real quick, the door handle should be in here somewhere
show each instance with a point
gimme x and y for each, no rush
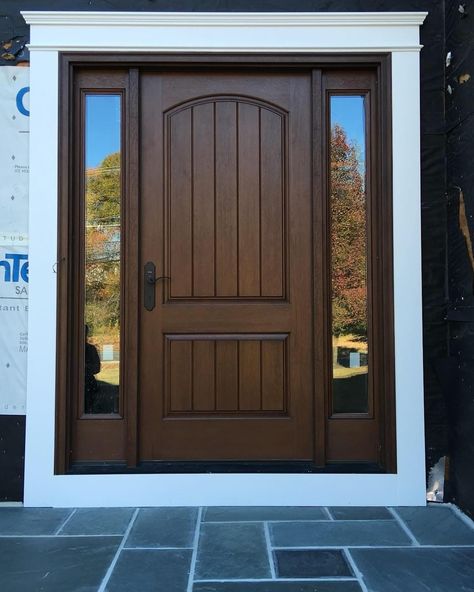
(149, 281)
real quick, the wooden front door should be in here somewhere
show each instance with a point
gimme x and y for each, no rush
(225, 346)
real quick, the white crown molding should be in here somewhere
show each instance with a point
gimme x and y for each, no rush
(218, 49)
(224, 19)
(225, 32)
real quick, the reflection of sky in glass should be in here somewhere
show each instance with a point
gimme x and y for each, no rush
(348, 112)
(102, 127)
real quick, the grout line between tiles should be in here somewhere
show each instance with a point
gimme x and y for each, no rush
(158, 548)
(355, 569)
(267, 580)
(269, 550)
(330, 516)
(106, 579)
(192, 567)
(59, 536)
(272, 521)
(409, 547)
(404, 527)
(65, 521)
(278, 548)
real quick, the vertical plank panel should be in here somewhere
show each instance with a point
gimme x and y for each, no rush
(249, 200)
(227, 380)
(180, 369)
(203, 200)
(180, 193)
(226, 199)
(204, 375)
(249, 375)
(271, 203)
(272, 375)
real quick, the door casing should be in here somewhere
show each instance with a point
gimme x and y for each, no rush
(383, 361)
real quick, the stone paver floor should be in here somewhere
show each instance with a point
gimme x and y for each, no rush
(255, 549)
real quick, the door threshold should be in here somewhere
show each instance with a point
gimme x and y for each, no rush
(175, 467)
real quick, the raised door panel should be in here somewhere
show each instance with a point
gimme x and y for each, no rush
(226, 375)
(226, 200)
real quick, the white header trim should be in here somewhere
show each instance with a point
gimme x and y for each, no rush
(218, 49)
(361, 32)
(224, 19)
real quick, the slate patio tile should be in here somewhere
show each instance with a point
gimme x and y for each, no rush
(31, 521)
(360, 513)
(416, 569)
(435, 525)
(352, 586)
(55, 564)
(228, 551)
(163, 527)
(151, 571)
(337, 534)
(99, 521)
(223, 514)
(317, 563)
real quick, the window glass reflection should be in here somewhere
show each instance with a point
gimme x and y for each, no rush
(102, 253)
(348, 255)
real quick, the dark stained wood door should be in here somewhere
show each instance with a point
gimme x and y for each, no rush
(225, 362)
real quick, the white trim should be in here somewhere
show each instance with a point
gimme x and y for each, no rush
(224, 32)
(223, 19)
(219, 49)
(397, 33)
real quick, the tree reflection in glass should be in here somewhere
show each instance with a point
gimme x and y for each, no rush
(102, 253)
(348, 255)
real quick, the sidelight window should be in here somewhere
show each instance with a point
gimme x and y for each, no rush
(102, 257)
(348, 222)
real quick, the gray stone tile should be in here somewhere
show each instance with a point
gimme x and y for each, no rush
(338, 534)
(99, 521)
(55, 564)
(31, 521)
(223, 514)
(163, 527)
(228, 551)
(416, 570)
(436, 525)
(317, 563)
(151, 571)
(277, 587)
(360, 513)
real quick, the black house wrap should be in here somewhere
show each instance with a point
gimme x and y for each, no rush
(447, 130)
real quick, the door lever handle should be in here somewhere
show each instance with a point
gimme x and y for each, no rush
(149, 281)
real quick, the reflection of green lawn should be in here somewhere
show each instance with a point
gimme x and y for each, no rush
(109, 372)
(351, 342)
(342, 372)
(100, 339)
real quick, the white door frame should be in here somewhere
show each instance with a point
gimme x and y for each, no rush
(394, 32)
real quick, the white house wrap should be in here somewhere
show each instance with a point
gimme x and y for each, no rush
(14, 167)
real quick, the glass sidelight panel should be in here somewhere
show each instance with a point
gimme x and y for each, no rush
(348, 213)
(103, 197)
